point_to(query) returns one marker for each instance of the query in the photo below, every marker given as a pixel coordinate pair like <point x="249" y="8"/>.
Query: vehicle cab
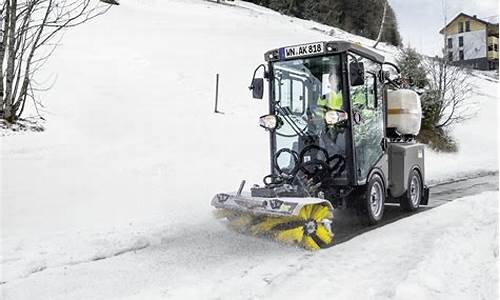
<point x="326" y="98"/>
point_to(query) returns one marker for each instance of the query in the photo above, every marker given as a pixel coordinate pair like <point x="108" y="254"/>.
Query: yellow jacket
<point x="334" y="100"/>
<point x="331" y="101"/>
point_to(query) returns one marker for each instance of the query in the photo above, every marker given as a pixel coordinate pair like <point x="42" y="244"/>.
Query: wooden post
<point x="216" y="91"/>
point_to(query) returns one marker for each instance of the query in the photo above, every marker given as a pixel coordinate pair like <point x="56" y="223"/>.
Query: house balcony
<point x="492" y="40"/>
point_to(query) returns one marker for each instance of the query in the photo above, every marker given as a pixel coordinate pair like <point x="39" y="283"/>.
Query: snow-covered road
<point x="206" y="261"/>
<point x="443" y="193"/>
<point x="409" y="257"/>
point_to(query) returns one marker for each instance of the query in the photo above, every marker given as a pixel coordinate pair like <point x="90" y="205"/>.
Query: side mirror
<point x="257" y="88"/>
<point x="357" y="73"/>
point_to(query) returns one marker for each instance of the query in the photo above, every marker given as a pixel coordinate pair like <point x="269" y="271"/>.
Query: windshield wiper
<point x="291" y="122"/>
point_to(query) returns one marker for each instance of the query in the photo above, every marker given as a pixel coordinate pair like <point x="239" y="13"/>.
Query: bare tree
<point x="382" y="23"/>
<point x="447" y="94"/>
<point x="29" y="34"/>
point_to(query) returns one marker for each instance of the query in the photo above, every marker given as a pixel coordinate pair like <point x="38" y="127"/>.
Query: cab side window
<point x="371" y="91"/>
<point x="365" y="96"/>
<point x="291" y="92"/>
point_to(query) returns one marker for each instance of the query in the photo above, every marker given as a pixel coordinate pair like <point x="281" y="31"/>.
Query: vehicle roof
<point x="336" y="46"/>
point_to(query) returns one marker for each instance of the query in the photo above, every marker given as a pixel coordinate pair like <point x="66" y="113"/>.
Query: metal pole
<point x="216" y="91"/>
<point x="242" y="184"/>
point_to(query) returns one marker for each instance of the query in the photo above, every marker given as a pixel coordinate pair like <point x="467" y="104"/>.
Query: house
<point x="471" y="42"/>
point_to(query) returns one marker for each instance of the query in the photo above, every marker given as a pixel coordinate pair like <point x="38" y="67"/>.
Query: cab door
<point x="367" y="121"/>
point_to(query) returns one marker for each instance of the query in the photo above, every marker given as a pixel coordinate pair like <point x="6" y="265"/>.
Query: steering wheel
<point x="314" y="166"/>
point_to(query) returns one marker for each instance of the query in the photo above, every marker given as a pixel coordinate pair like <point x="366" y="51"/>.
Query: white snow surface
<point x="133" y="153"/>
<point x="450" y="252"/>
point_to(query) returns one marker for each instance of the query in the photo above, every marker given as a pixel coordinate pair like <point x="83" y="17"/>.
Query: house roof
<point x="470" y="17"/>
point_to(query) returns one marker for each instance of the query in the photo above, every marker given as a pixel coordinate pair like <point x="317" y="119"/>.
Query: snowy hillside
<point x="133" y="152"/>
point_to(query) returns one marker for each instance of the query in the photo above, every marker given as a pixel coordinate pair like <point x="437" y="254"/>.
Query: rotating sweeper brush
<point x="342" y="134"/>
<point x="302" y="221"/>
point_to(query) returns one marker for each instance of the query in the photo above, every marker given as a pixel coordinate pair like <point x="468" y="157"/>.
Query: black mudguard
<point x="425" y="196"/>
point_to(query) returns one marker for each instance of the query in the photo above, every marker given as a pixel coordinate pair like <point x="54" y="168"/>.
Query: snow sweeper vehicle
<point x="342" y="136"/>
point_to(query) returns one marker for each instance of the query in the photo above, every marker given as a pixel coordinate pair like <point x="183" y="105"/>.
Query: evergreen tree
<point x="410" y="64"/>
<point x="360" y="17"/>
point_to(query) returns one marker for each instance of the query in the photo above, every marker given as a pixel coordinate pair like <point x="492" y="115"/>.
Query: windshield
<point x="304" y="90"/>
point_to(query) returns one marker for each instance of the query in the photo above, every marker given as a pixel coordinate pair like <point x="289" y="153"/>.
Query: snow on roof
<point x="474" y="17"/>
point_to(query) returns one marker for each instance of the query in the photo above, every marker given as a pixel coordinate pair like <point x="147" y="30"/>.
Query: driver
<point x="333" y="99"/>
<point x="331" y="139"/>
<point x="329" y="101"/>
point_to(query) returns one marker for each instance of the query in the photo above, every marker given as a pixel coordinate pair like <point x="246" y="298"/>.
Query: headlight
<point x="269" y="122"/>
<point x="333" y="117"/>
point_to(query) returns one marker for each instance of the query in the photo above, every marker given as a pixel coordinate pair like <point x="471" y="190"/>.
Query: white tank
<point x="404" y="111"/>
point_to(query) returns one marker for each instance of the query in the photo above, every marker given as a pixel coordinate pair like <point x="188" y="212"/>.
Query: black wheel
<point x="373" y="200"/>
<point x="410" y="201"/>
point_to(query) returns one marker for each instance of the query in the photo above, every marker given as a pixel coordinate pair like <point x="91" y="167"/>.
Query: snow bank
<point x="450" y="252"/>
<point x="477" y="138"/>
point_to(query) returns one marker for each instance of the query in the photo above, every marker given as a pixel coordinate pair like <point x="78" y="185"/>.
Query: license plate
<point x="303" y="50"/>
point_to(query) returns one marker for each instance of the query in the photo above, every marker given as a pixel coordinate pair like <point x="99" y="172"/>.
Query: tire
<point x="373" y="200"/>
<point x="411" y="199"/>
